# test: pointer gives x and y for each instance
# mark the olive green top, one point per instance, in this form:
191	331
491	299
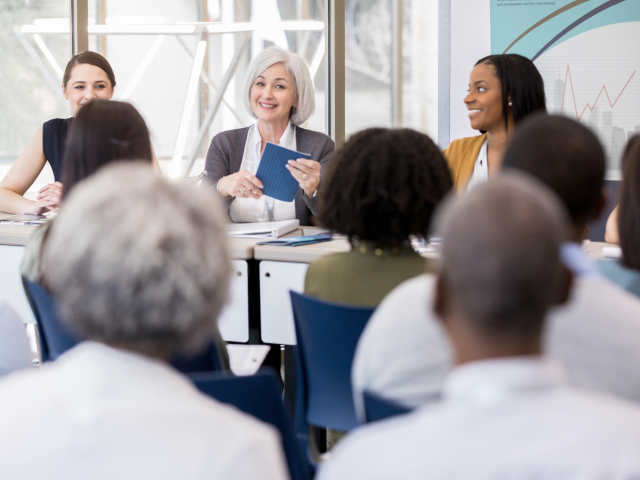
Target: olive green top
363	276
30	266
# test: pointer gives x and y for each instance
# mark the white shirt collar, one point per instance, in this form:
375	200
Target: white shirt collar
492	380
285	140
480	172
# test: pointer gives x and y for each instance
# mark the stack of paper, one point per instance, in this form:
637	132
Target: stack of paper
262	229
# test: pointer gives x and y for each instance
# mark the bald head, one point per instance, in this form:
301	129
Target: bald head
500	255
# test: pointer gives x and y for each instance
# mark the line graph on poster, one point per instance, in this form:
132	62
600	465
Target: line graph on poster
593	78
588	106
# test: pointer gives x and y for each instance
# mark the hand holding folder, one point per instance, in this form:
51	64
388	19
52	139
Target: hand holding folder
272	172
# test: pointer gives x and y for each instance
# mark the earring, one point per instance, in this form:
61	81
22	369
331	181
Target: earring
510	104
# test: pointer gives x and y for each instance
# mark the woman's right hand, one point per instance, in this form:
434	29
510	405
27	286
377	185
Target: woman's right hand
48	198
243	184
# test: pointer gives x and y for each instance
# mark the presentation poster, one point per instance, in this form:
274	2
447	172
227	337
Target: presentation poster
588	52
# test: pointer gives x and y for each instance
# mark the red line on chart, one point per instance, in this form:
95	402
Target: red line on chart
603	89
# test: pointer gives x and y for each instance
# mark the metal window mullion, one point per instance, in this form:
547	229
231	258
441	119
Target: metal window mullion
79	23
396	63
335	71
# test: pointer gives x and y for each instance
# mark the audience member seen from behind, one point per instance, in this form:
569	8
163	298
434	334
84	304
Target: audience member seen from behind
88	76
279	93
140	285
503	89
626	271
568	158
505	410
102	132
403	355
381	187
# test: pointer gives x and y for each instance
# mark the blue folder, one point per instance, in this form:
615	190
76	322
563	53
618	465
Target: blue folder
298	241
272	172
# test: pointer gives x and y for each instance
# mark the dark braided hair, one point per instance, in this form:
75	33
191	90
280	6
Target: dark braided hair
383	185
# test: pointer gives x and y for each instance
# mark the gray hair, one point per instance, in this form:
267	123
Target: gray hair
299	71
500	253
140	262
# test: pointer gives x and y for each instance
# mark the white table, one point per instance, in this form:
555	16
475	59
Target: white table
233	322
283	269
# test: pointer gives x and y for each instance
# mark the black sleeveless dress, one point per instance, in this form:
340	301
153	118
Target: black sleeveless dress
54	137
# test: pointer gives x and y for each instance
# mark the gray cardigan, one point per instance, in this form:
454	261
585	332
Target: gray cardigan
227	148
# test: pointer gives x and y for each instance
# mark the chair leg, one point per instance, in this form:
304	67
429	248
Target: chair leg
36	331
290	379
317	443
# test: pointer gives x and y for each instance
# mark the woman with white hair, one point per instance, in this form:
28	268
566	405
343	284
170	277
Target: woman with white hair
279	93
140	285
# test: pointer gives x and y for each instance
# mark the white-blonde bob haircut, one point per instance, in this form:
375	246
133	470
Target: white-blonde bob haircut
304	90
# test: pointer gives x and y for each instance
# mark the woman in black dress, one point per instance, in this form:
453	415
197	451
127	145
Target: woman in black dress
88	76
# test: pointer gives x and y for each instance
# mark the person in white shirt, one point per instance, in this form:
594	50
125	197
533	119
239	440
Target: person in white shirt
505	410
403	355
140	285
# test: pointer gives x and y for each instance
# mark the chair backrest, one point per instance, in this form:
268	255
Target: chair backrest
55	338
327	334
377	408
259	396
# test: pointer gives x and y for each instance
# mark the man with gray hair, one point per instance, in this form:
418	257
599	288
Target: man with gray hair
505	411
140	268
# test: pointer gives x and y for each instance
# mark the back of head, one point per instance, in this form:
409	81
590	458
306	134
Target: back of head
522	85
383	185
564	155
629	209
139	262
500	255
102	132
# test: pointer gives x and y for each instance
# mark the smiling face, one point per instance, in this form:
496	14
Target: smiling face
273	95
484	100
87	83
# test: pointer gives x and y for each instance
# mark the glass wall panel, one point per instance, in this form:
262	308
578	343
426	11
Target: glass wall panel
31	75
369	64
171	59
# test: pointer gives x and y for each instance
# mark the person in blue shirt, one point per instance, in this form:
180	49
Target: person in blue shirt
626	270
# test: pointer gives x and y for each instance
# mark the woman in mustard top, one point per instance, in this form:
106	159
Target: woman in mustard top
503	89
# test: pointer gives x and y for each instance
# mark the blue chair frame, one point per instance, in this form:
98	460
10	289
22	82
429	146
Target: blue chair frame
55	338
377	408
327	334
258	395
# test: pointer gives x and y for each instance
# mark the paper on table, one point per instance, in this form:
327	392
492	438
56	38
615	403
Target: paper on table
246	359
272	172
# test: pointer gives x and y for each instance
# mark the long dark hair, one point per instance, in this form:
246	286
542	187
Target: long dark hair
103	131
521	81
629	209
90	58
383	185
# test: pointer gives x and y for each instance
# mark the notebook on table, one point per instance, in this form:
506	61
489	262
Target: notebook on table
262	229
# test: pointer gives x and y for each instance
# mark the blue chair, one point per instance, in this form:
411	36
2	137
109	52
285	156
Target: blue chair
327	334
258	395
377	408
55	338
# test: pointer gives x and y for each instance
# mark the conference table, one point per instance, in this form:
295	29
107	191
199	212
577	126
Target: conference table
259	310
